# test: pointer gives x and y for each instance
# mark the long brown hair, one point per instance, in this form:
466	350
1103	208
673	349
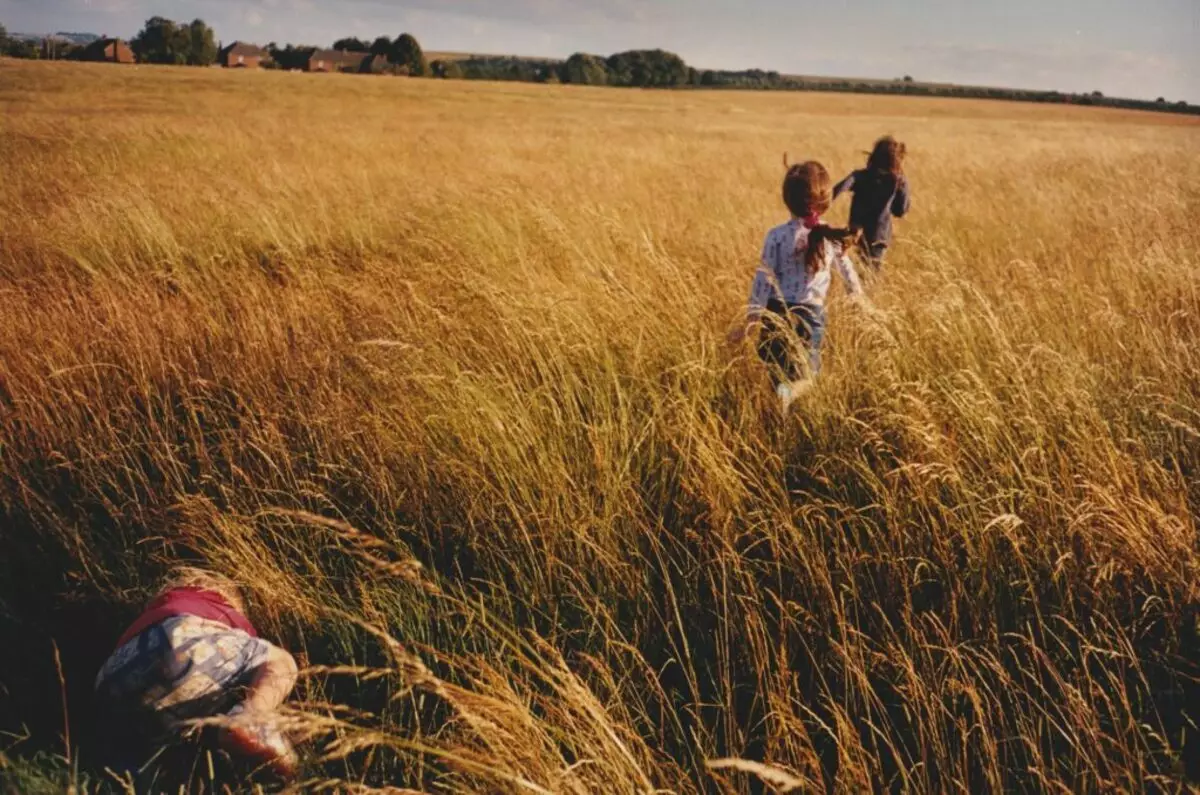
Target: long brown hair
807	189
819	237
887	157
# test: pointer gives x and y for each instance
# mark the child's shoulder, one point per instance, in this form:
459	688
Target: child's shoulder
786	230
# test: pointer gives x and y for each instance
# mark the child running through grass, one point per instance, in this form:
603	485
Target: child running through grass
787	298
193	655
880	193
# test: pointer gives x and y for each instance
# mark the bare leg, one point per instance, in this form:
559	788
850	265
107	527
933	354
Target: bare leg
253	733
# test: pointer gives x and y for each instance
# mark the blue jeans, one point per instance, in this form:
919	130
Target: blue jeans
790	335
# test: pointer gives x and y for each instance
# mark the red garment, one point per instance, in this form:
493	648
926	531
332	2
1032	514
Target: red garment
811	221
188	602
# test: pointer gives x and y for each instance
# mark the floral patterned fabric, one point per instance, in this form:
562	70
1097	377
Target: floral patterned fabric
783	276
180	669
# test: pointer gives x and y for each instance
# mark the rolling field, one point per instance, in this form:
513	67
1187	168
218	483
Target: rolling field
438	371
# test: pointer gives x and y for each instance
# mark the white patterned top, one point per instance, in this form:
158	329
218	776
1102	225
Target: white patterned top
784	277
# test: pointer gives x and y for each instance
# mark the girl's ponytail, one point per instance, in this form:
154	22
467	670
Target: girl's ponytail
819	237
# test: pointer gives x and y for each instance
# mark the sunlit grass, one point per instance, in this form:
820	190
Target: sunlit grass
438	371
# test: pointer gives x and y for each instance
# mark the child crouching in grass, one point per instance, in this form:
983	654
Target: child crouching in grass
787	299
193	655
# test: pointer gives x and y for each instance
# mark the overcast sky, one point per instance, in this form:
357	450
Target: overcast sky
1137	48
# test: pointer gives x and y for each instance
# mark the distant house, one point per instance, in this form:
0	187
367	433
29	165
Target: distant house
240	55
340	61
108	51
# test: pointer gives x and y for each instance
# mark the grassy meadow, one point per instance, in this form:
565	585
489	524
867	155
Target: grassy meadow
438	371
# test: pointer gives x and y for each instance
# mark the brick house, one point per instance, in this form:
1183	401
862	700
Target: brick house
339	61
240	55
108	51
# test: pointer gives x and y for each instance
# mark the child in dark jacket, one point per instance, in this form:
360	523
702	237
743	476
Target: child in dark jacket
880	192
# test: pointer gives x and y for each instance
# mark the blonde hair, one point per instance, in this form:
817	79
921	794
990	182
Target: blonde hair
192	577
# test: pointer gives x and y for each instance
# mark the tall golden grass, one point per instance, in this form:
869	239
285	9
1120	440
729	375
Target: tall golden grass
438	371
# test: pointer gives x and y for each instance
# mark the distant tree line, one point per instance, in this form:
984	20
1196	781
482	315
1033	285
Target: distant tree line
635	68
16	48
756	79
163	41
661	69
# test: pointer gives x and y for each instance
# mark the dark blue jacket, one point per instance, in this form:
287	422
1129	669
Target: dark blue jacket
877	197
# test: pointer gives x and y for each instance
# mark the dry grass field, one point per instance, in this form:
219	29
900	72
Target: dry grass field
438	371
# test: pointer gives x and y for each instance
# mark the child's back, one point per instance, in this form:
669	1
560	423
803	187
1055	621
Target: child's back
787	297
880	192
877	197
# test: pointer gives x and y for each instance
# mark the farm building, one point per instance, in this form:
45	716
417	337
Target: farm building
324	61
109	51
343	61
240	55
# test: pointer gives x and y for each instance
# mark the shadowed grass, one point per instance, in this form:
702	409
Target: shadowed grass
437	371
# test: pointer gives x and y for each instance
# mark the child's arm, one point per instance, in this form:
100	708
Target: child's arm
902	201
846	268
844	185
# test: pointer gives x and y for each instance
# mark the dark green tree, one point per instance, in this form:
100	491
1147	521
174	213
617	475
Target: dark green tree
408	56
290	57
202	44
647	68
382	46
585	70
162	41
352	44
19	48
